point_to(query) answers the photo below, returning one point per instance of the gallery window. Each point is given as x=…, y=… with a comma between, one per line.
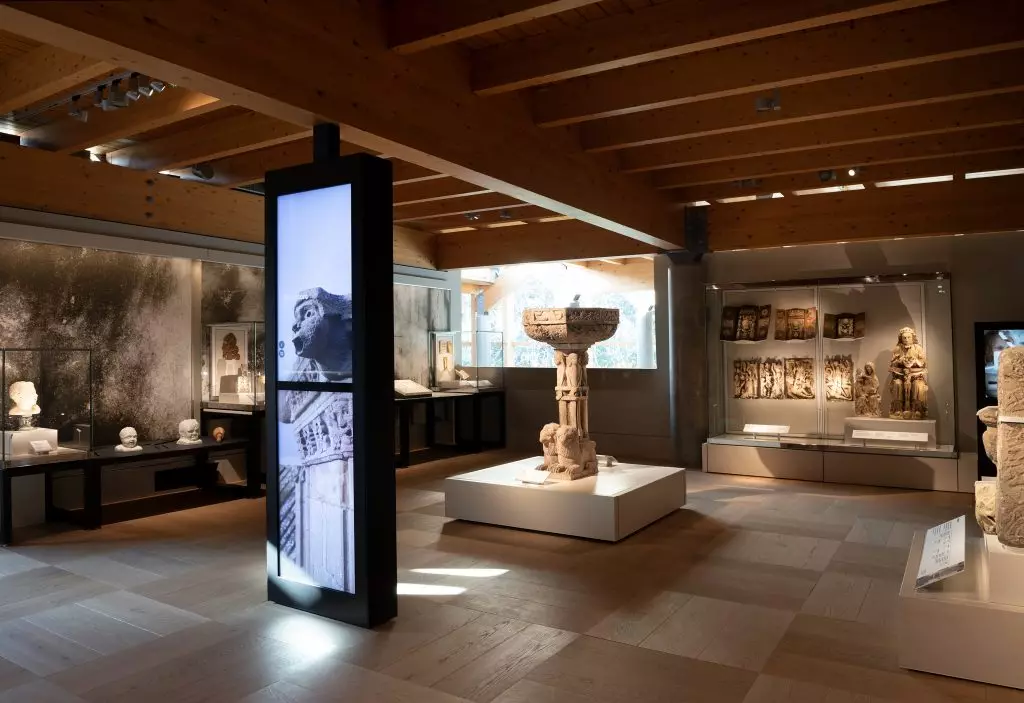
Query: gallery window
x=497, y=297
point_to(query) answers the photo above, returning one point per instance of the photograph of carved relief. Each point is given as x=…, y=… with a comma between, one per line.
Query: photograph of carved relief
x=315, y=489
x=744, y=378
x=314, y=286
x=773, y=379
x=764, y=322
x=746, y=326
x=839, y=377
x=800, y=378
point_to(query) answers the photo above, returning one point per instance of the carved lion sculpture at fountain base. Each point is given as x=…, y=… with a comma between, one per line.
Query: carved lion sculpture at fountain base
x=566, y=455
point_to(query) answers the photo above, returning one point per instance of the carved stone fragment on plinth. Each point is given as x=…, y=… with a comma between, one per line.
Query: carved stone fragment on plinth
x=1010, y=449
x=986, y=494
x=569, y=453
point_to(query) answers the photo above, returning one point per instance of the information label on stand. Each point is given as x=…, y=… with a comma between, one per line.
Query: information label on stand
x=915, y=437
x=766, y=429
x=533, y=476
x=944, y=552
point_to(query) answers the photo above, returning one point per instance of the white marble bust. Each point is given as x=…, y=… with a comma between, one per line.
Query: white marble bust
x=188, y=432
x=129, y=440
x=24, y=395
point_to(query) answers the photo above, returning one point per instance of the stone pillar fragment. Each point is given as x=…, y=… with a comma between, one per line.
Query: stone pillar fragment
x=1010, y=448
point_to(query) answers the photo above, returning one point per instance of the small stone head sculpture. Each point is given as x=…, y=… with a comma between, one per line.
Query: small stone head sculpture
x=218, y=434
x=129, y=437
x=188, y=432
x=24, y=395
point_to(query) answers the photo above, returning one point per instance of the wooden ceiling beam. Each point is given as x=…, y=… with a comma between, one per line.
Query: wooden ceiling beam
x=959, y=207
x=657, y=32
x=40, y=180
x=66, y=136
x=270, y=59
x=991, y=111
x=456, y=206
x=552, y=241
x=43, y=73
x=952, y=29
x=529, y=213
x=857, y=155
x=927, y=84
x=957, y=165
x=433, y=191
x=414, y=25
x=217, y=140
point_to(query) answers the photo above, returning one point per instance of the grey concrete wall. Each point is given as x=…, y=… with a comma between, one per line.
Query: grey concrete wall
x=987, y=274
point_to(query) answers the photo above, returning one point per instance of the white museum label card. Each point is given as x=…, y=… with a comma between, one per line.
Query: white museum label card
x=916, y=437
x=766, y=429
x=944, y=552
x=41, y=446
x=533, y=476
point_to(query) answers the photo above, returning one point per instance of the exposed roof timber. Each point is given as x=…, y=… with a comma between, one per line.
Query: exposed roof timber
x=417, y=109
x=657, y=32
x=456, y=206
x=958, y=165
x=173, y=105
x=41, y=180
x=485, y=217
x=552, y=241
x=973, y=76
x=957, y=28
x=885, y=152
x=433, y=191
x=922, y=120
x=43, y=73
x=414, y=25
x=252, y=166
x=217, y=140
x=933, y=209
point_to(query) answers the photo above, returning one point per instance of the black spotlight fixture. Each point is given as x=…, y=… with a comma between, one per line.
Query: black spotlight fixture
x=826, y=176
x=133, y=92
x=472, y=216
x=203, y=171
x=77, y=112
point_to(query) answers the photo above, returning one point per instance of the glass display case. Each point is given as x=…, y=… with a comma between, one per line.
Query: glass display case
x=233, y=366
x=47, y=405
x=861, y=364
x=467, y=362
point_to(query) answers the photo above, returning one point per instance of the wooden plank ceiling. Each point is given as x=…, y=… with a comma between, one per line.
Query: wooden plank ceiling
x=530, y=130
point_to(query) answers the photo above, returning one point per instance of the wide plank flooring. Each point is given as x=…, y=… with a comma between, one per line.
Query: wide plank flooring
x=758, y=591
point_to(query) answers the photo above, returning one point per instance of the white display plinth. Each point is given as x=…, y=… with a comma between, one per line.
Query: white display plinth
x=19, y=443
x=1005, y=572
x=612, y=505
x=956, y=627
x=888, y=425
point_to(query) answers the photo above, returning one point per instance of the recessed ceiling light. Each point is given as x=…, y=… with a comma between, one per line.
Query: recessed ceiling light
x=913, y=181
x=994, y=174
x=556, y=218
x=829, y=189
x=452, y=230
x=512, y=223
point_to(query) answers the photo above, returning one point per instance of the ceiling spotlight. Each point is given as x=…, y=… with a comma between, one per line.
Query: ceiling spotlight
x=158, y=86
x=75, y=111
x=133, y=87
x=203, y=171
x=768, y=103
x=472, y=216
x=100, y=99
x=505, y=215
x=852, y=172
x=116, y=95
x=826, y=176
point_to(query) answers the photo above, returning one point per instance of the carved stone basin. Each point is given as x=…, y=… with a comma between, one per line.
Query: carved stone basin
x=570, y=328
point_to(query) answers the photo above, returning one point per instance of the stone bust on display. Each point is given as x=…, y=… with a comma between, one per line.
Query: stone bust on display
x=129, y=440
x=908, y=378
x=24, y=395
x=188, y=432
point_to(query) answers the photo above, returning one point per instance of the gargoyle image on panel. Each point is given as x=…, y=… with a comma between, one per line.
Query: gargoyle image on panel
x=839, y=377
x=772, y=379
x=744, y=378
x=800, y=378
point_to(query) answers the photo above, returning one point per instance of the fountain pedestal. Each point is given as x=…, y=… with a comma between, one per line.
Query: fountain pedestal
x=569, y=453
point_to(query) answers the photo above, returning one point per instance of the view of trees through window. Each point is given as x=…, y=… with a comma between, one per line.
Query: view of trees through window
x=497, y=307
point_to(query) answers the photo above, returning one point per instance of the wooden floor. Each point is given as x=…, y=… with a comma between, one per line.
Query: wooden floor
x=758, y=591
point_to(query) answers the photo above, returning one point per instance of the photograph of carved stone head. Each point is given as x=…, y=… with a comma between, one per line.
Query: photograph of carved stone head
x=314, y=295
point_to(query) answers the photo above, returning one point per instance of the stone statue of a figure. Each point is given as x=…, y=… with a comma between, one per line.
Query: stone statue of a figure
x=908, y=375
x=866, y=401
x=188, y=432
x=129, y=440
x=322, y=336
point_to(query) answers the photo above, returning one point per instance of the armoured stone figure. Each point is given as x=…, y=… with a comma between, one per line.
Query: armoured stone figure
x=866, y=400
x=188, y=432
x=908, y=378
x=322, y=336
x=129, y=440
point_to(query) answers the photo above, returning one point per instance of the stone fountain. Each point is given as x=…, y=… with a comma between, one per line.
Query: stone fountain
x=569, y=453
